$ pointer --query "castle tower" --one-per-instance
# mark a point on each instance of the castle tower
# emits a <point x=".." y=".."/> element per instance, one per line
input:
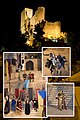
<point x="38" y="16"/>
<point x="26" y="15"/>
<point x="52" y="30"/>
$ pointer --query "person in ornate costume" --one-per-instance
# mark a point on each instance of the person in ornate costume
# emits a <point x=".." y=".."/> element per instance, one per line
<point x="61" y="101"/>
<point x="13" y="104"/>
<point x="7" y="105"/>
<point x="27" y="107"/>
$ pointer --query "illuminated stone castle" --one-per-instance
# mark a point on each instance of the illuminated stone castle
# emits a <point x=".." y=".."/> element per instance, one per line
<point x="28" y="22"/>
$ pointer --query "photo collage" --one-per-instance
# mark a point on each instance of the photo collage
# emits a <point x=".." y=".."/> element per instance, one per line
<point x="28" y="91"/>
<point x="39" y="60"/>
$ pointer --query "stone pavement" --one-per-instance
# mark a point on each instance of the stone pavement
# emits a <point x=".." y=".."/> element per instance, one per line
<point x="22" y="114"/>
<point x="54" y="111"/>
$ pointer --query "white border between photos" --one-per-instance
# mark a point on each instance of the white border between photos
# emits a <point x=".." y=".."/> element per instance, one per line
<point x="3" y="87"/>
<point x="69" y="61"/>
<point x="73" y="101"/>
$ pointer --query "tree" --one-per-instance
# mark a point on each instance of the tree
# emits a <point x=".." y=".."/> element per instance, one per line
<point x="38" y="37"/>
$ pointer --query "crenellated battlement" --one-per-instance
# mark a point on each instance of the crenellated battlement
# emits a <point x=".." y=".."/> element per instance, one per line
<point x="52" y="29"/>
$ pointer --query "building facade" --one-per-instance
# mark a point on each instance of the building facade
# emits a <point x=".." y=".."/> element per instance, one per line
<point x="17" y="64"/>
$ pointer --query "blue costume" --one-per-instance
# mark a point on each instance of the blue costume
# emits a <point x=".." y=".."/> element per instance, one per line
<point x="26" y="84"/>
<point x="13" y="105"/>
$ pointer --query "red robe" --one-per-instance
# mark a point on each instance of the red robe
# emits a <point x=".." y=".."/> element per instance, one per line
<point x="19" y="105"/>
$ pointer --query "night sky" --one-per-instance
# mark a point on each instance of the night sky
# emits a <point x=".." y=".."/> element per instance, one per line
<point x="66" y="12"/>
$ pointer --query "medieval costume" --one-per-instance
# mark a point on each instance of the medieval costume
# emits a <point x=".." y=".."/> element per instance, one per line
<point x="26" y="84"/>
<point x="58" y="67"/>
<point x="35" y="104"/>
<point x="7" y="105"/>
<point x="23" y="105"/>
<point x="31" y="77"/>
<point x="42" y="93"/>
<point x="61" y="100"/>
<point x="22" y="95"/>
<point x="27" y="108"/>
<point x="31" y="104"/>
<point x="17" y="93"/>
<point x="13" y="104"/>
<point x="19" y="104"/>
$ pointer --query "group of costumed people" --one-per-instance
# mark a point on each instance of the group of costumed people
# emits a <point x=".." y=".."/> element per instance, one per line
<point x="61" y="100"/>
<point x="56" y="63"/>
<point x="20" y="105"/>
<point x="29" y="76"/>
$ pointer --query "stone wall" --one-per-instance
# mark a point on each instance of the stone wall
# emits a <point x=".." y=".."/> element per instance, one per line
<point x="38" y="16"/>
<point x="26" y="14"/>
<point x="53" y="92"/>
<point x="35" y="63"/>
<point x="52" y="30"/>
<point x="35" y="58"/>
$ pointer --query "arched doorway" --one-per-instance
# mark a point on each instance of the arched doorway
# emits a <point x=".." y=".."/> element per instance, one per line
<point x="29" y="65"/>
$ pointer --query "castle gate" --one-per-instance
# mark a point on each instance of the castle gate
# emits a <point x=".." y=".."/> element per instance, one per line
<point x="29" y="65"/>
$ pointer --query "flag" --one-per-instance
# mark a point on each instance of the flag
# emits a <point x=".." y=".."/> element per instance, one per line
<point x="42" y="93"/>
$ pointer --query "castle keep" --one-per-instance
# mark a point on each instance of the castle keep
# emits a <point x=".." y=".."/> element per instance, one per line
<point x="28" y="22"/>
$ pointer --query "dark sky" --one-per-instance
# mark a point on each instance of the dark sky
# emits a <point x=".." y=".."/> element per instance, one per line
<point x="66" y="12"/>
